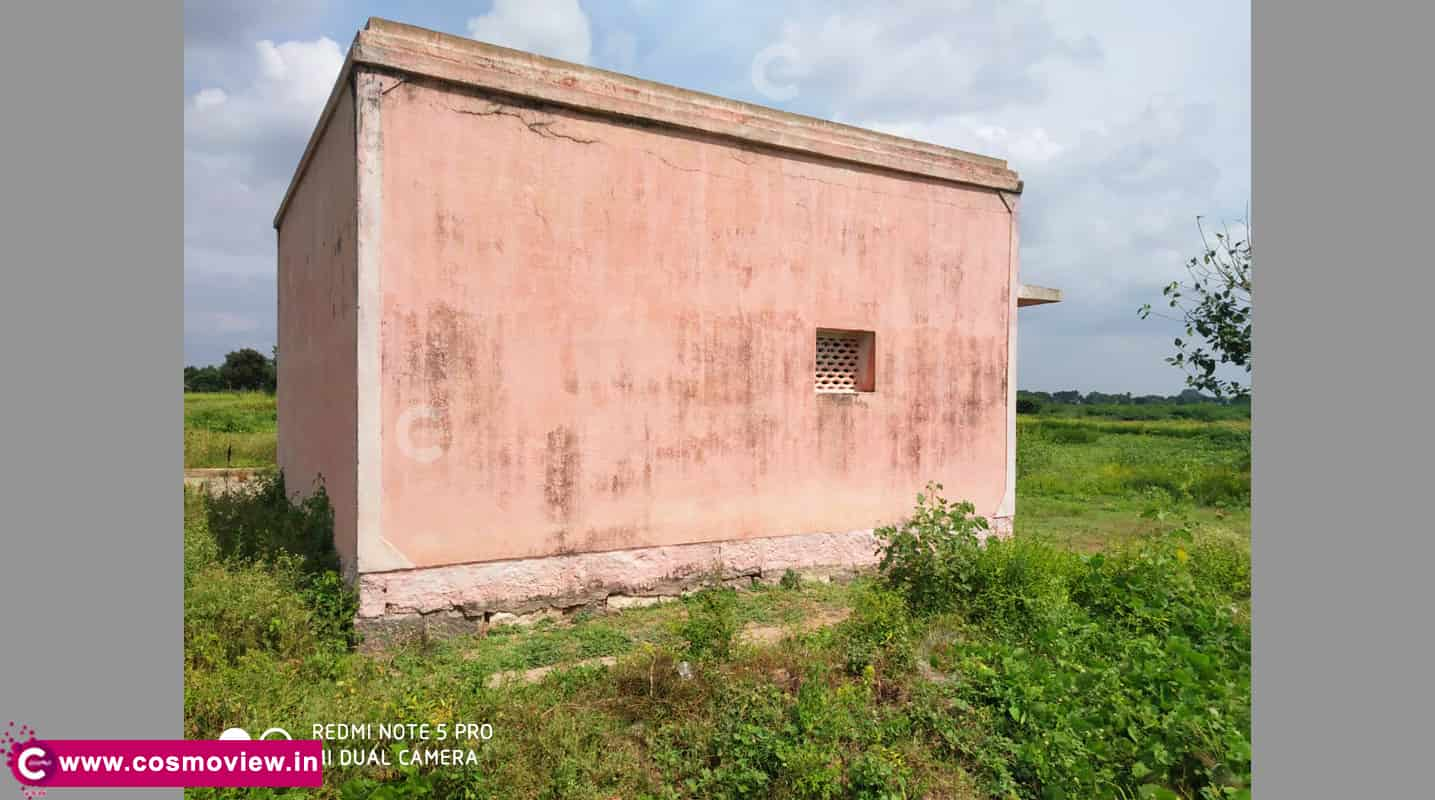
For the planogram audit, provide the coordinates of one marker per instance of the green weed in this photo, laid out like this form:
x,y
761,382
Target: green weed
x,y
712,623
1100,676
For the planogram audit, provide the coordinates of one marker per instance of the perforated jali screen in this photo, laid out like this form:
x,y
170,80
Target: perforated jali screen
x,y
838,359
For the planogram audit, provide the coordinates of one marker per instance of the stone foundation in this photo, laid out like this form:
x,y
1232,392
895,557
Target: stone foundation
x,y
468,598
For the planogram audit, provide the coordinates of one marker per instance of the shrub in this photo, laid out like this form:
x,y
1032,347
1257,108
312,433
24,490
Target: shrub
x,y
930,557
260,575
1222,565
879,774
1118,674
334,604
258,521
879,634
712,623
1019,586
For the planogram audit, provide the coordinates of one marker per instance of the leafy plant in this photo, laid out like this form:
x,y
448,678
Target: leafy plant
x,y
880,632
930,557
1214,304
712,623
259,521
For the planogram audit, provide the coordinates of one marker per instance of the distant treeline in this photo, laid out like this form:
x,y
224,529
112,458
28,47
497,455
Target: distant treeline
x,y
246,370
1189,404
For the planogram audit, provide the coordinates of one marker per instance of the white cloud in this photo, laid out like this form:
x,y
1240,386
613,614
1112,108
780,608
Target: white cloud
x,y
556,28
282,100
884,62
243,135
241,145
1024,146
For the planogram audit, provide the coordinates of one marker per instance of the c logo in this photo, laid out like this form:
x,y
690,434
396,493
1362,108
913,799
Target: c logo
x,y
265,735
405,423
765,58
31,763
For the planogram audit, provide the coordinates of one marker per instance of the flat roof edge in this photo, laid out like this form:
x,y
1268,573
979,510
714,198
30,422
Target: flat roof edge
x,y
1028,295
468,62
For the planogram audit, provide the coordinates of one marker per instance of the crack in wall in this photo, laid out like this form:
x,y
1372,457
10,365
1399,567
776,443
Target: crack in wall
x,y
681,168
543,128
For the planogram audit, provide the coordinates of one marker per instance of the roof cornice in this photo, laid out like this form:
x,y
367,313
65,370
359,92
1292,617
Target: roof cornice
x,y
458,60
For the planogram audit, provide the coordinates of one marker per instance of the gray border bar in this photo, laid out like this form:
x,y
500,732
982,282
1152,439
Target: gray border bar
x,y
91,319
1342,698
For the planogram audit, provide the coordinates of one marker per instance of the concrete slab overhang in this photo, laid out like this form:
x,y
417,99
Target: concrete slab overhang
x,y
408,50
1028,295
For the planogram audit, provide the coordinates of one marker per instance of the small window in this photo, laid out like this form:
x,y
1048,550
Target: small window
x,y
845,363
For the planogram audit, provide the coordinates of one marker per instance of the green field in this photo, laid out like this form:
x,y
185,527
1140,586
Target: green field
x,y
1088,483
229,429
1102,652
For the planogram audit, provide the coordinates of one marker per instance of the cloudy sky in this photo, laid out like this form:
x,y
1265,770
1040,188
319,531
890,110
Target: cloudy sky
x,y
1125,119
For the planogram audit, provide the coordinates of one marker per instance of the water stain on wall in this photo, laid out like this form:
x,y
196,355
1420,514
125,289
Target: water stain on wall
x,y
562,466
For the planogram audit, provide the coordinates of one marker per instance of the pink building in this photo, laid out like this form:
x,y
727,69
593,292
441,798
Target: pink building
x,y
554,336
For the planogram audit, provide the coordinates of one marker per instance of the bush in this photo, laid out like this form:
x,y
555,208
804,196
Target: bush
x,y
1121,674
1020,587
333,604
258,521
880,634
1025,405
1222,565
879,774
261,576
712,623
930,557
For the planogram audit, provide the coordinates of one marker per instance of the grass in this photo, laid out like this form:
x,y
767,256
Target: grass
x,y
229,429
1201,412
1089,483
1052,671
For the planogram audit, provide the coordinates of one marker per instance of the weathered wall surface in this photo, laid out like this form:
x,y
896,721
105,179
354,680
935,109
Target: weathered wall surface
x,y
599,336
317,291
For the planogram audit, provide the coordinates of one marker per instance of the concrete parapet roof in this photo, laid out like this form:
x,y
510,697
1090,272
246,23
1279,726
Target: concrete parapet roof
x,y
1028,295
410,50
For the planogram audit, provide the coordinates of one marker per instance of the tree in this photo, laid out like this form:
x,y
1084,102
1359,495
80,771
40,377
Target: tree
x,y
202,379
271,381
1214,304
245,369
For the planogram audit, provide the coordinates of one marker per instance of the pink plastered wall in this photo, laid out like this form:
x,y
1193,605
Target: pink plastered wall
x,y
317,298
598,336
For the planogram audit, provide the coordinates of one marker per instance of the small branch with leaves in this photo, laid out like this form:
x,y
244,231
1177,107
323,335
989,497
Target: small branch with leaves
x,y
1214,305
